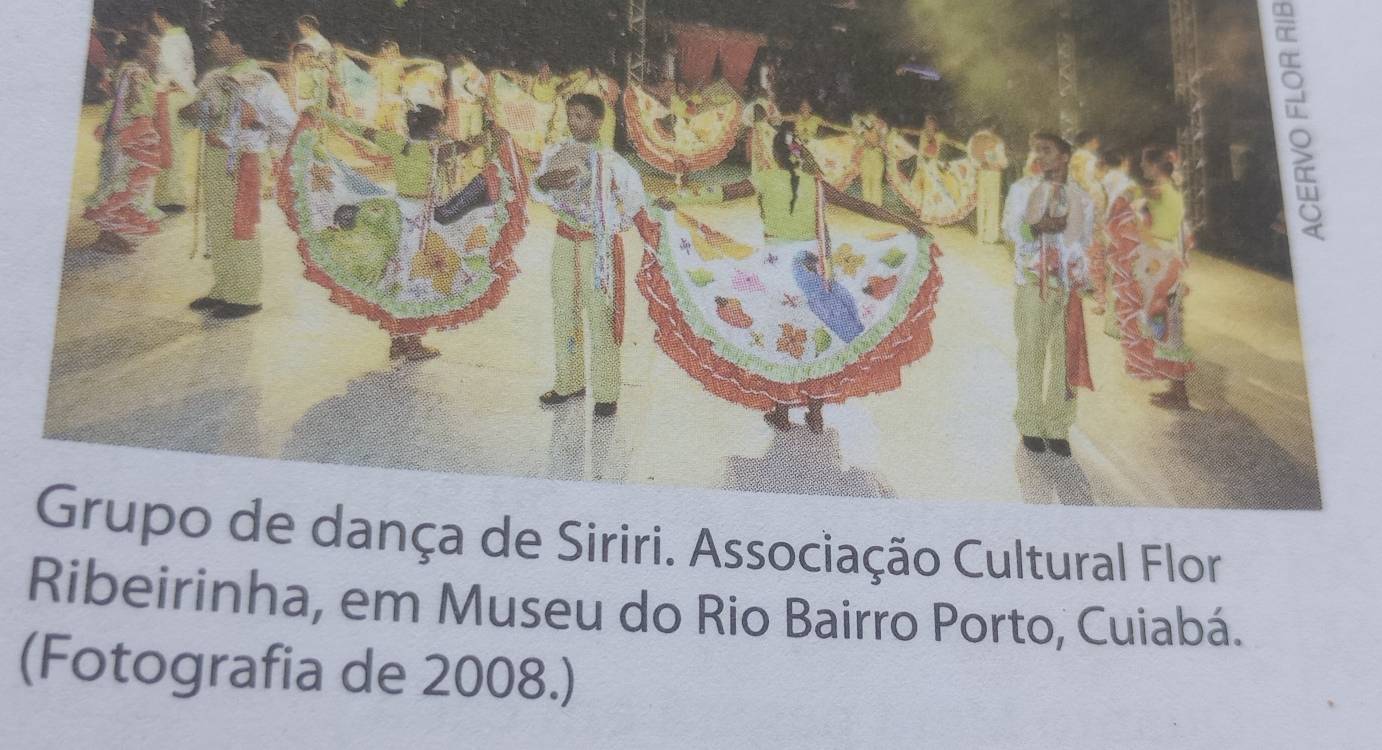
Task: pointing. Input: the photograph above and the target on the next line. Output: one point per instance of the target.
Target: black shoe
(205, 303)
(1059, 447)
(231, 311)
(173, 209)
(1034, 444)
(552, 398)
(606, 409)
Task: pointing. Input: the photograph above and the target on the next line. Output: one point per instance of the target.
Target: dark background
(995, 58)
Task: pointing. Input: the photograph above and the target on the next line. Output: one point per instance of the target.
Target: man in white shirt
(246, 120)
(596, 195)
(177, 81)
(1050, 221)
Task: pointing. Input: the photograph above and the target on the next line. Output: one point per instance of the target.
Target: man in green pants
(596, 195)
(177, 80)
(245, 119)
(1050, 220)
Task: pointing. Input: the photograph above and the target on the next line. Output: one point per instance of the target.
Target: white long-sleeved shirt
(223, 96)
(1029, 200)
(176, 63)
(604, 202)
(611, 202)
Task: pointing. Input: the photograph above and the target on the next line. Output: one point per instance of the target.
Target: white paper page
(1240, 531)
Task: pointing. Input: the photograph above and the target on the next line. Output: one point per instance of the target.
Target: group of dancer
(409, 199)
(1085, 223)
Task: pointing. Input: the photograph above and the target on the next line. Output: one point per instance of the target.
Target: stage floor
(305, 380)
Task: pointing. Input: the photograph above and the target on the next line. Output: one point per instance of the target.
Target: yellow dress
(545, 91)
(392, 114)
(872, 164)
(809, 127)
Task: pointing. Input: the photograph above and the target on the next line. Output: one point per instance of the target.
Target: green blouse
(412, 160)
(780, 220)
(1168, 212)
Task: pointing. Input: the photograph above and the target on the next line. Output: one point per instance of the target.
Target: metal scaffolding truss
(1189, 73)
(636, 66)
(1067, 71)
(1190, 97)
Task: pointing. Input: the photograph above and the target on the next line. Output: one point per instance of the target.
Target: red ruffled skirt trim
(666, 160)
(501, 259)
(141, 142)
(1139, 350)
(878, 371)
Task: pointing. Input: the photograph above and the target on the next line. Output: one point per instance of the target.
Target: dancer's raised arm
(848, 202)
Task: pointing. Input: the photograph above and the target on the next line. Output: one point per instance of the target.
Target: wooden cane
(197, 201)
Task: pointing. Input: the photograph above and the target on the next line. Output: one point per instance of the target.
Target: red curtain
(96, 55)
(698, 47)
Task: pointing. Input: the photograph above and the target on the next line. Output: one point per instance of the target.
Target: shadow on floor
(221, 418)
(1046, 478)
(83, 353)
(800, 462)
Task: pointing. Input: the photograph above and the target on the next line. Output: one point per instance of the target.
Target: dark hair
(1054, 139)
(1085, 136)
(134, 43)
(989, 123)
(591, 102)
(1160, 158)
(1112, 157)
(235, 32)
(423, 121)
(782, 153)
(310, 21)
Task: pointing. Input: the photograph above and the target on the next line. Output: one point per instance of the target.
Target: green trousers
(574, 293)
(1043, 410)
(238, 265)
(171, 187)
(871, 171)
(990, 206)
